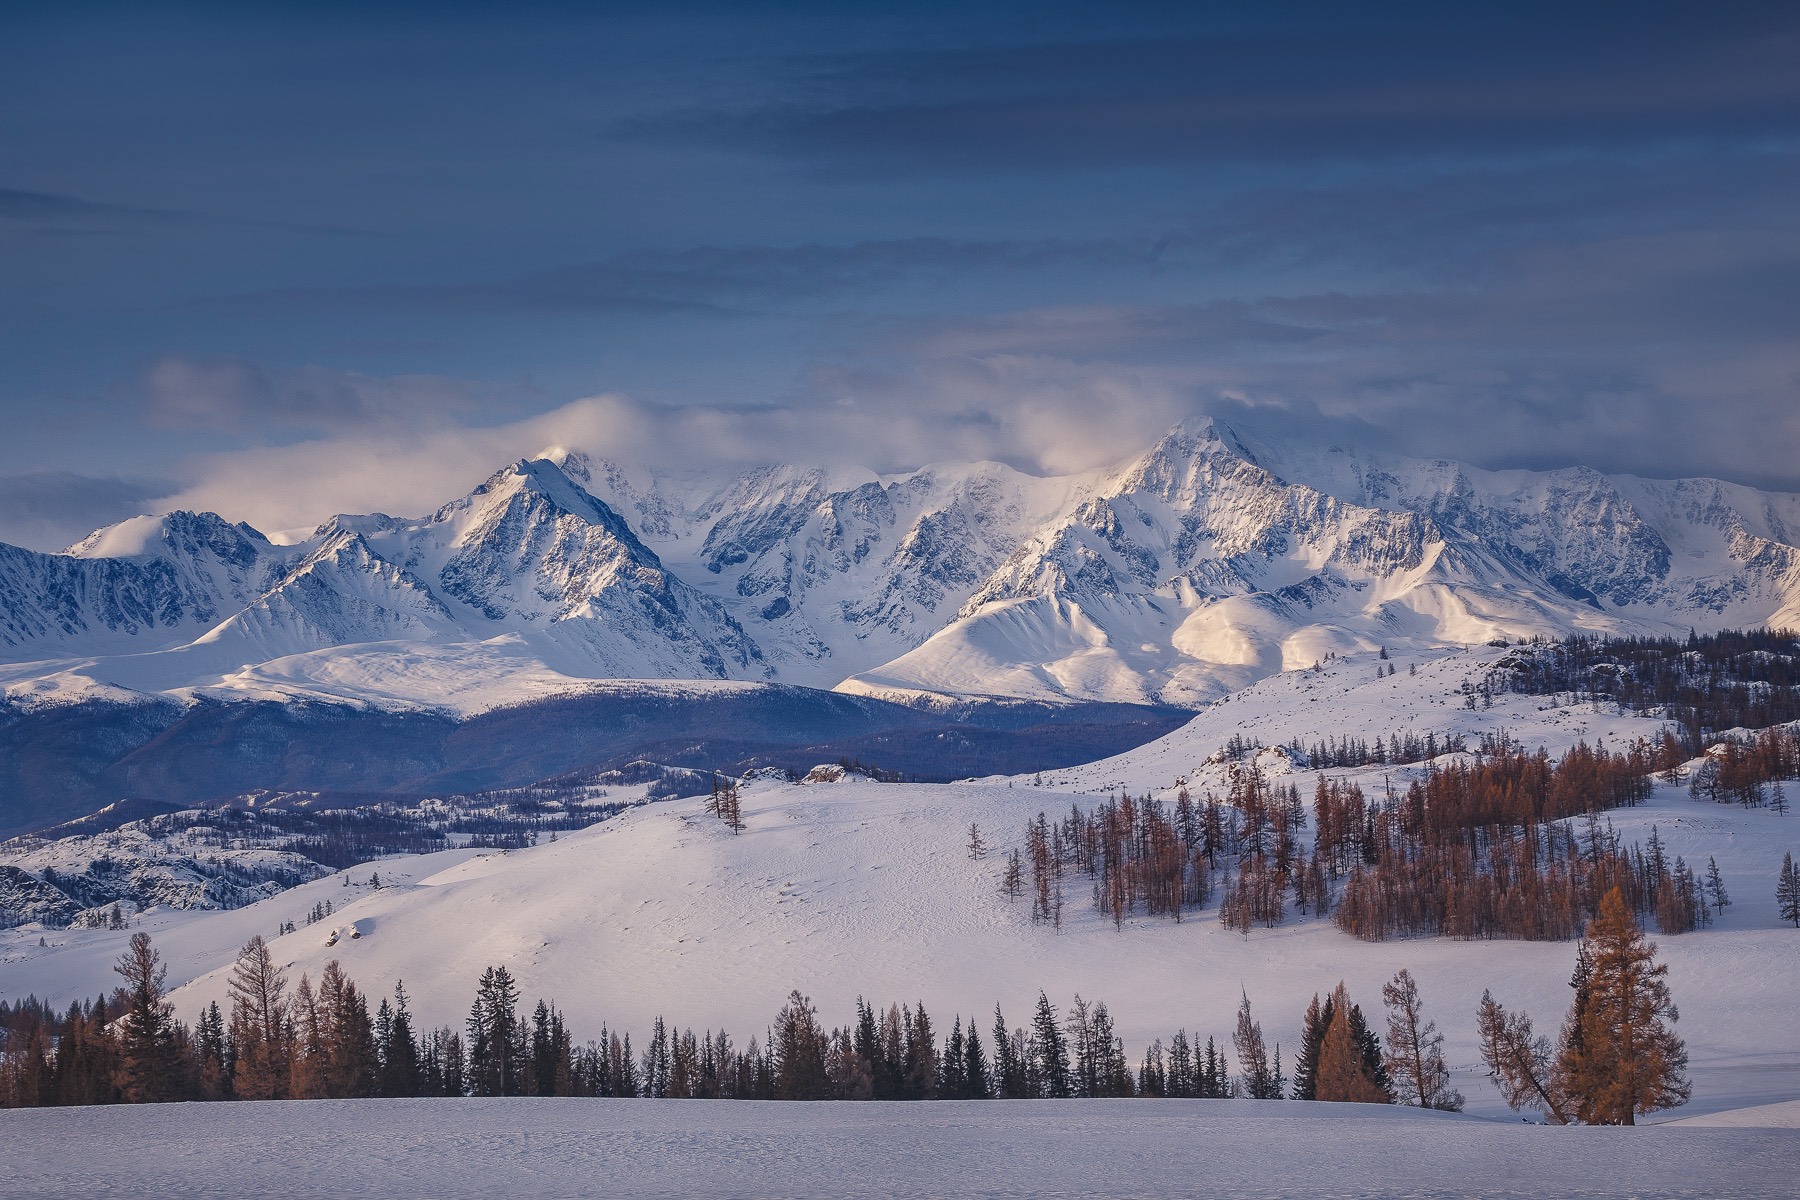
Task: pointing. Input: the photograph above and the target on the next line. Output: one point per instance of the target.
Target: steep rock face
(832, 572)
(145, 583)
(339, 592)
(1658, 551)
(530, 551)
(1206, 563)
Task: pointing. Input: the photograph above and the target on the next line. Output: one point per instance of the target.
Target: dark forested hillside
(63, 762)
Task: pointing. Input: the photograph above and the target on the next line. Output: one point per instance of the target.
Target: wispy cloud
(236, 395)
(54, 212)
(49, 510)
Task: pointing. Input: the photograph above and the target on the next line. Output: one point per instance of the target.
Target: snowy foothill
(858, 888)
(628, 1148)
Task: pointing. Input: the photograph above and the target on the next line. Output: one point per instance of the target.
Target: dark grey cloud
(49, 510)
(729, 280)
(1383, 84)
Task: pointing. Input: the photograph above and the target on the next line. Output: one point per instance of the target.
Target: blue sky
(282, 261)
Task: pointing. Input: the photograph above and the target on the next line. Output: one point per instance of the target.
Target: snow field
(629, 1148)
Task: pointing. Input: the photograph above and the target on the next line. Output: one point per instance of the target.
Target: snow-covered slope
(864, 889)
(1198, 567)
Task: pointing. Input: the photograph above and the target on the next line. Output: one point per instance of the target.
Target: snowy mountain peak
(178, 533)
(1205, 562)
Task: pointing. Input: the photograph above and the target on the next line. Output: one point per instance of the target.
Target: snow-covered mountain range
(1197, 567)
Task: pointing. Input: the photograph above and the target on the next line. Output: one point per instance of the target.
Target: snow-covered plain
(627, 1148)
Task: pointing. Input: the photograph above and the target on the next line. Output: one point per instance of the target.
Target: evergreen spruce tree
(1009, 1070)
(214, 1053)
(1715, 885)
(150, 1045)
(798, 1046)
(1050, 1053)
(953, 1083)
(400, 1067)
(1312, 1035)
(977, 1075)
(1787, 891)
(495, 1045)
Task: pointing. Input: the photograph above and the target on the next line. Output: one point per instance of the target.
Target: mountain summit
(1198, 566)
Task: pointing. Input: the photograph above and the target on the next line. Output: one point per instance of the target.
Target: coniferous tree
(1415, 1049)
(977, 1075)
(1345, 1073)
(1787, 891)
(1215, 1074)
(1259, 1080)
(799, 1049)
(261, 1036)
(150, 1045)
(400, 1065)
(1715, 886)
(306, 1057)
(952, 1081)
(1010, 1082)
(495, 1046)
(1627, 1061)
(921, 1058)
(1519, 1060)
(214, 1052)
(1153, 1073)
(1312, 1036)
(352, 1059)
(1049, 1053)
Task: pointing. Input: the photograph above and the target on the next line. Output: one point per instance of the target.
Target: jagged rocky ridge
(1196, 567)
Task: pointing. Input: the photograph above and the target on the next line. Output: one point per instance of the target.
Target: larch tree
(1415, 1049)
(1519, 1060)
(1259, 1080)
(1627, 1061)
(260, 1032)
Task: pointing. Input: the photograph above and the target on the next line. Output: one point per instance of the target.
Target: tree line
(1736, 679)
(1618, 1056)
